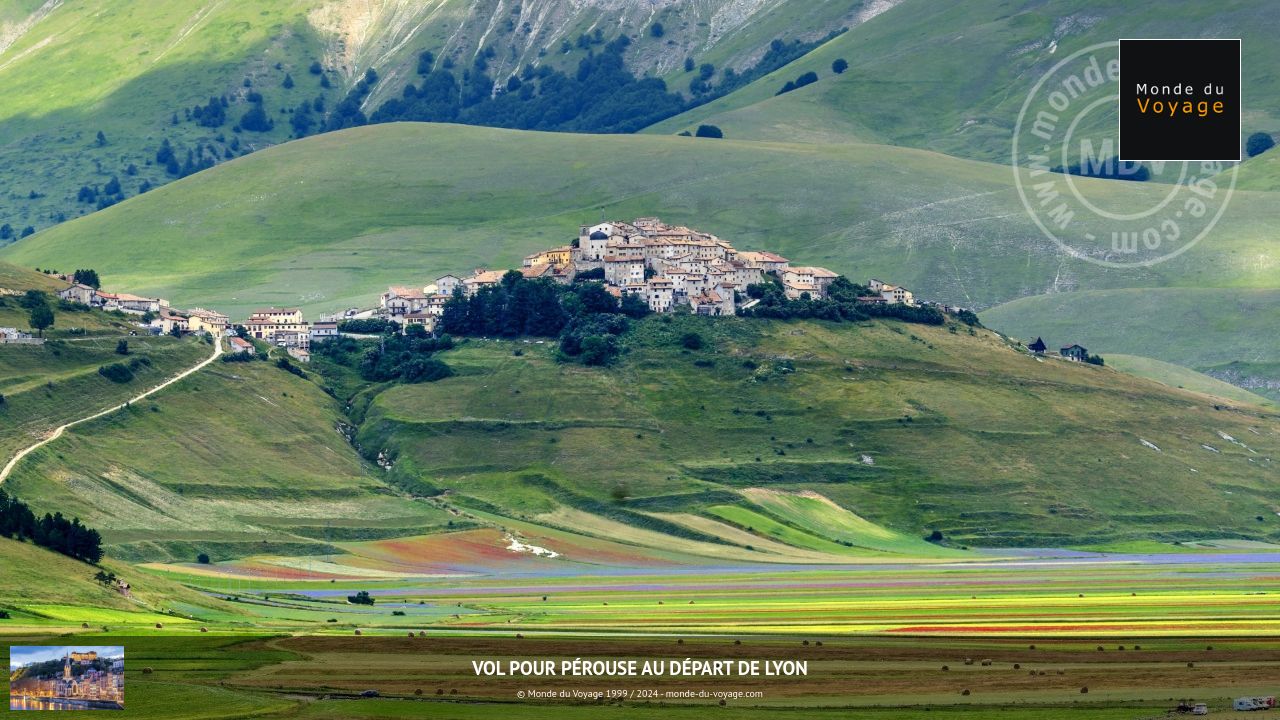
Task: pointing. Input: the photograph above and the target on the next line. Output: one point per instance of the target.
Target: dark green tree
(839, 66)
(41, 318)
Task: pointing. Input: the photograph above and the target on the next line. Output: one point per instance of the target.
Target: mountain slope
(911, 427)
(1198, 328)
(779, 441)
(70, 69)
(238, 458)
(952, 77)
(329, 221)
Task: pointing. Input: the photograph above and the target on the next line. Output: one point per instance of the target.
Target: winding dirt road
(57, 432)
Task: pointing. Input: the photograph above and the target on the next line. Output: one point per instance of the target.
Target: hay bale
(358, 632)
(422, 633)
(945, 668)
(1137, 647)
(1084, 690)
(986, 663)
(1031, 647)
(418, 691)
(1120, 647)
(84, 625)
(968, 661)
(680, 641)
(965, 691)
(1209, 647)
(737, 642)
(519, 636)
(1017, 666)
(818, 643)
(439, 691)
(147, 671)
(204, 629)
(805, 643)
(411, 633)
(1101, 649)
(159, 626)
(1191, 664)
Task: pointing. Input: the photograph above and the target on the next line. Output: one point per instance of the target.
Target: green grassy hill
(951, 77)
(39, 588)
(46, 385)
(134, 71)
(1197, 328)
(1180, 377)
(910, 427)
(238, 458)
(781, 441)
(329, 221)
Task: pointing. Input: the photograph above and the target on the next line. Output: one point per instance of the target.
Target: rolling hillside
(1197, 328)
(238, 458)
(828, 442)
(70, 69)
(46, 385)
(907, 426)
(329, 221)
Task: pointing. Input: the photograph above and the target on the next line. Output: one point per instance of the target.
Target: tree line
(584, 316)
(69, 537)
(840, 305)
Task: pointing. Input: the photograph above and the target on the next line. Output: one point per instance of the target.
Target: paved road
(57, 432)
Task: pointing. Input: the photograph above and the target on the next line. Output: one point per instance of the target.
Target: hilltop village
(670, 268)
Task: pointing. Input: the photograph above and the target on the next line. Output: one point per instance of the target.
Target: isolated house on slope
(1038, 347)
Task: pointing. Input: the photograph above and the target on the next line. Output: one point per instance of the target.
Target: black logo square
(1180, 100)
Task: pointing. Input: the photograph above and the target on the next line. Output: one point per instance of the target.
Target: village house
(397, 302)
(79, 293)
(200, 320)
(14, 336)
(447, 284)
(481, 279)
(280, 326)
(323, 331)
(1077, 353)
(892, 293)
(239, 345)
(1038, 347)
(170, 322)
(133, 304)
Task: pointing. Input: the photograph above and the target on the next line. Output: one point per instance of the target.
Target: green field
(1226, 324)
(1178, 376)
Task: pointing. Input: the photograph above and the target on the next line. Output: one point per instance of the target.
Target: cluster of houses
(283, 327)
(667, 266)
(1074, 352)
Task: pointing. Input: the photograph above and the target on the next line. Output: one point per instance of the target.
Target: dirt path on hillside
(57, 432)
